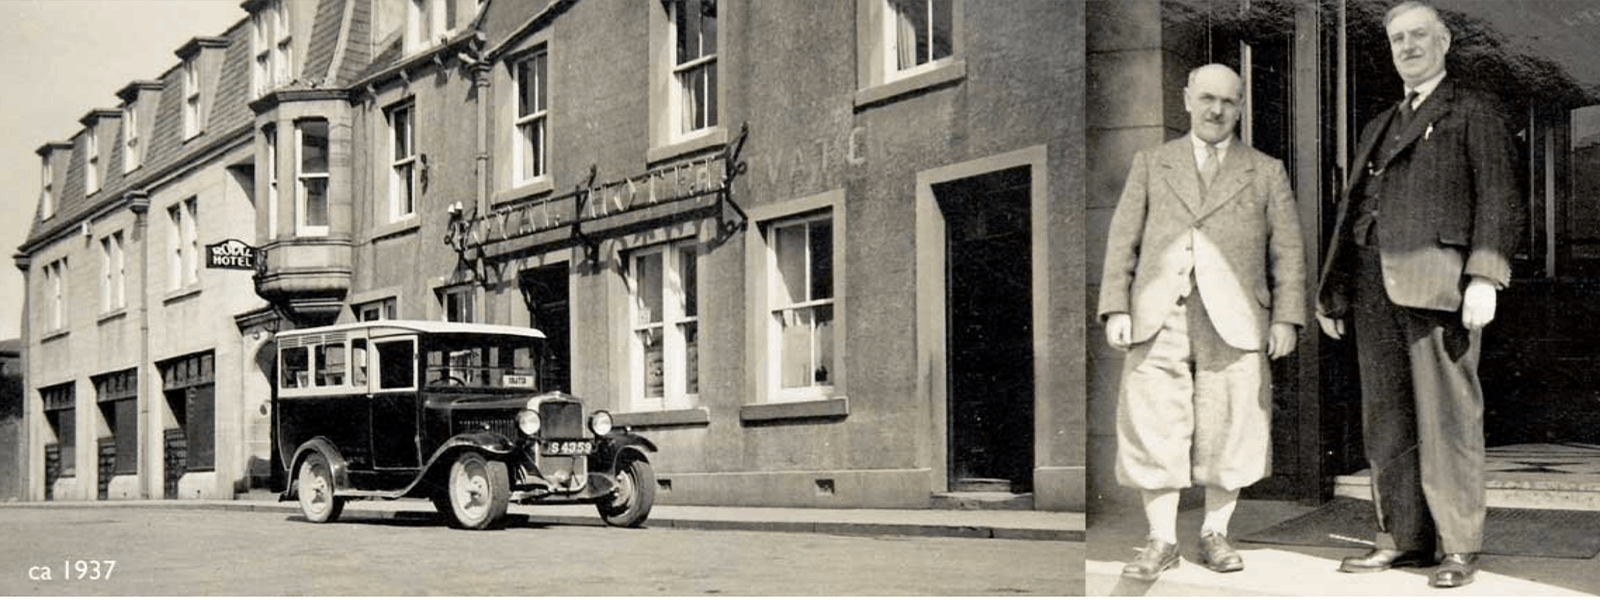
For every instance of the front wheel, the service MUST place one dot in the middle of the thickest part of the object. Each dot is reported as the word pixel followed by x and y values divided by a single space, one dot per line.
pixel 315 490
pixel 636 493
pixel 479 491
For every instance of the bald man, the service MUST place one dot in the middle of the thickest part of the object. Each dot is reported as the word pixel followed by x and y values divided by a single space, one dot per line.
pixel 1204 282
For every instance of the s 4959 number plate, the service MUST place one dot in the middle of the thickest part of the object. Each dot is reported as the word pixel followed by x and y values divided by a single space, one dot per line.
pixel 568 447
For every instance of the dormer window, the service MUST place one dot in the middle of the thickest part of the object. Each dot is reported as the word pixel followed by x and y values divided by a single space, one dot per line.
pixel 427 21
pixel 91 160
pixel 47 195
pixel 191 98
pixel 131 155
pixel 271 43
pixel 283 48
pixel 261 46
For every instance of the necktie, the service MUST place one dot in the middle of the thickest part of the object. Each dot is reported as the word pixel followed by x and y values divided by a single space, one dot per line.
pixel 1406 111
pixel 1208 171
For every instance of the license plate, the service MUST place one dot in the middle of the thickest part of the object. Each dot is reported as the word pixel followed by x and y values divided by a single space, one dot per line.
pixel 568 447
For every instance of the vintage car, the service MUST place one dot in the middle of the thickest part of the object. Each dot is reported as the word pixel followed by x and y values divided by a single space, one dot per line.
pixel 451 412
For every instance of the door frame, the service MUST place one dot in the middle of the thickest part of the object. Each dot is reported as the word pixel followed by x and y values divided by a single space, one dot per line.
pixel 931 312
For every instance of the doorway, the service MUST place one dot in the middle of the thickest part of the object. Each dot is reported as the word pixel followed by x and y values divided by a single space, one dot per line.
pixel 545 291
pixel 989 329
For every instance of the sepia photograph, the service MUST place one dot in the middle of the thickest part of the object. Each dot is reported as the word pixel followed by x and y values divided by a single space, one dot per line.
pixel 1342 340
pixel 1223 298
pixel 544 298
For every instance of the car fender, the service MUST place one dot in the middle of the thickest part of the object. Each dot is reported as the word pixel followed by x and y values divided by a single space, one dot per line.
pixel 612 447
pixel 493 444
pixel 337 464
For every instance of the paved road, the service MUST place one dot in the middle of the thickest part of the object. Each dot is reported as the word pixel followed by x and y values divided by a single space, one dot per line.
pixel 177 552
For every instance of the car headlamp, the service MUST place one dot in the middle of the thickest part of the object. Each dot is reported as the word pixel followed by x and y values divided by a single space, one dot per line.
pixel 528 422
pixel 600 422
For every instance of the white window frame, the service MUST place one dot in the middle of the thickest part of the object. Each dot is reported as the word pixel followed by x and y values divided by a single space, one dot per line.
pixel 47 196
pixel 283 45
pixel 261 77
pixel 403 184
pixel 775 312
pixel 302 226
pixel 191 239
pixel 674 294
pixel 113 273
pixel 55 276
pixel 191 99
pixel 680 123
pixel 175 247
pixel 269 135
pixel 426 20
pixel 183 245
pixel 892 41
pixel 465 295
pixel 91 160
pixel 383 309
pixel 537 121
pixel 131 156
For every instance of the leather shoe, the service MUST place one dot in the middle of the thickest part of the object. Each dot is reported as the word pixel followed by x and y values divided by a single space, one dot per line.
pixel 1157 556
pixel 1455 570
pixel 1218 555
pixel 1383 560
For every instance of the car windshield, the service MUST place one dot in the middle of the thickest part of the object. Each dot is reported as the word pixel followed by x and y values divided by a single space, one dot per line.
pixel 482 361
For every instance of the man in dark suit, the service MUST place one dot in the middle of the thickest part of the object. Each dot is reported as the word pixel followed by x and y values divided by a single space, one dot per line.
pixel 1421 246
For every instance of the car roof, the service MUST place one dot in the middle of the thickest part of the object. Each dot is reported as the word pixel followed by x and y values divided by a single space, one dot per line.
pixel 393 327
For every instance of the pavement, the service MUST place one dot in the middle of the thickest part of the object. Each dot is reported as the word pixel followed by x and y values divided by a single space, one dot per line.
pixel 998 524
pixel 1281 570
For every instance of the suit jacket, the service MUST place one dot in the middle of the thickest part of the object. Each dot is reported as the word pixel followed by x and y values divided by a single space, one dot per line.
pixel 1449 208
pixel 1242 241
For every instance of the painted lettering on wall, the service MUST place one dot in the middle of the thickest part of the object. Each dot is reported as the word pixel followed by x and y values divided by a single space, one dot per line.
pixel 802 167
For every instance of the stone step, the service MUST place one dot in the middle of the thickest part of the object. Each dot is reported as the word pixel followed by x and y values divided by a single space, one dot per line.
pixel 982 501
pixel 1509 490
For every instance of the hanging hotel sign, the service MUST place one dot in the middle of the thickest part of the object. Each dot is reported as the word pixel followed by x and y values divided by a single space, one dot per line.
pixel 697 188
pixel 231 254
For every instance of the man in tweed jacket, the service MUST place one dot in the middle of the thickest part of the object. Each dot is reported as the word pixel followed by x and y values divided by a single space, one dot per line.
pixel 1204 282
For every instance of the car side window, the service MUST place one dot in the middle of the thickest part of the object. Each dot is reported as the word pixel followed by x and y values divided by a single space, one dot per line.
pixel 331 364
pixel 396 364
pixel 294 368
pixel 358 362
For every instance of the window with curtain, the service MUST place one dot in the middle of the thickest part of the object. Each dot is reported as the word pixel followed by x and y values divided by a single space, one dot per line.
pixel 311 186
pixel 694 33
pixel 533 116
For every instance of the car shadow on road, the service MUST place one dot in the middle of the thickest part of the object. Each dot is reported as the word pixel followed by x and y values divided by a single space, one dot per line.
pixel 425 519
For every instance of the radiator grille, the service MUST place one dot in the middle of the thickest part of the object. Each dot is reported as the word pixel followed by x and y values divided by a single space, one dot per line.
pixel 505 426
pixel 562 421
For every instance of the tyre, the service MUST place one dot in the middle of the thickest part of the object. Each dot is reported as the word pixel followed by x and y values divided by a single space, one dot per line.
pixel 315 490
pixel 441 502
pixel 479 491
pixel 636 494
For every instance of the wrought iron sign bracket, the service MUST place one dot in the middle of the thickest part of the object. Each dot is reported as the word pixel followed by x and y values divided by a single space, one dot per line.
pixel 729 224
pixel 591 248
pixel 460 236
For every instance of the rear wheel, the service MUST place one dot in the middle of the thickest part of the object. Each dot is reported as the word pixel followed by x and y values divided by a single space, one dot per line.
pixel 479 491
pixel 636 494
pixel 315 490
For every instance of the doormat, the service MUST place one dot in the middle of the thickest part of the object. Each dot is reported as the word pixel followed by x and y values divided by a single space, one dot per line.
pixel 1350 523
